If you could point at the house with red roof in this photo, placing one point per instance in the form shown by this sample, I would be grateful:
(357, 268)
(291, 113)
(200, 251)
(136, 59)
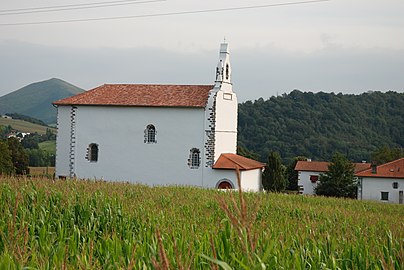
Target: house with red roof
(309, 173)
(156, 134)
(382, 183)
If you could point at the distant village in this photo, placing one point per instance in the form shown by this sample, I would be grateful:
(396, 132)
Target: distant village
(13, 132)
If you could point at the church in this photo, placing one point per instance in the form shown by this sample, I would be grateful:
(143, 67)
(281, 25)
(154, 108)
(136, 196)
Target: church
(156, 134)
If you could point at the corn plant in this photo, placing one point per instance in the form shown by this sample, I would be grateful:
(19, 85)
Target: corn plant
(82, 224)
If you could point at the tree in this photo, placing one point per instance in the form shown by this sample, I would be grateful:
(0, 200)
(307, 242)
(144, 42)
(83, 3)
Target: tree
(386, 154)
(291, 174)
(31, 141)
(4, 130)
(18, 156)
(6, 163)
(40, 158)
(273, 178)
(242, 151)
(339, 181)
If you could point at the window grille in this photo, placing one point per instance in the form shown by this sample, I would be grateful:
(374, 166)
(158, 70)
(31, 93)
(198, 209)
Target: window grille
(150, 134)
(194, 160)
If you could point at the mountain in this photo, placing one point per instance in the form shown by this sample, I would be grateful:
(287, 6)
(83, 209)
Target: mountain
(36, 99)
(316, 125)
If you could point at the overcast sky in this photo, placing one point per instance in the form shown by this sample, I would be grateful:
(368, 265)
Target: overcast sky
(348, 46)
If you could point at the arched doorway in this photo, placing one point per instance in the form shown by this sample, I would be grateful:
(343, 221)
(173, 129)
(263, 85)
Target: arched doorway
(225, 184)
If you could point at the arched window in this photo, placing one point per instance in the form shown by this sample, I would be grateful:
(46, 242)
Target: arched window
(150, 134)
(227, 71)
(194, 160)
(225, 184)
(92, 152)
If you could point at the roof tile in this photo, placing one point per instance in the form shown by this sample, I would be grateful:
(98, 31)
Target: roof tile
(232, 161)
(150, 95)
(393, 169)
(322, 166)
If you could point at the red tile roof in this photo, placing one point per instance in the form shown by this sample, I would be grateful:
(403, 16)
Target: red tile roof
(322, 166)
(312, 166)
(232, 161)
(393, 169)
(143, 95)
(362, 166)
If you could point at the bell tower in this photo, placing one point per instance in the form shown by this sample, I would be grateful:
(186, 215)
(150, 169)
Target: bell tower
(223, 69)
(221, 112)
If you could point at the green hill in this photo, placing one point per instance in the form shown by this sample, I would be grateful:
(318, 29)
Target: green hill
(317, 125)
(36, 99)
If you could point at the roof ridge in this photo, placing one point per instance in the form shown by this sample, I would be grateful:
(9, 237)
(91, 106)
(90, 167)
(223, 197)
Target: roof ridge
(314, 161)
(233, 159)
(159, 84)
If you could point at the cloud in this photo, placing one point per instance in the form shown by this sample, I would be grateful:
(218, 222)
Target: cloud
(258, 72)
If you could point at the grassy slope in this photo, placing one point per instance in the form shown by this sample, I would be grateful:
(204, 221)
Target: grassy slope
(49, 146)
(36, 99)
(93, 225)
(24, 126)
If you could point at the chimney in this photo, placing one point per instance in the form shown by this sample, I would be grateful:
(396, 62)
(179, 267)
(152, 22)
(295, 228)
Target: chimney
(374, 167)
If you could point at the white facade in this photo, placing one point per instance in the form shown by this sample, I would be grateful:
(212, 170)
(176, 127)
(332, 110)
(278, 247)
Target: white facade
(381, 189)
(251, 179)
(124, 155)
(306, 182)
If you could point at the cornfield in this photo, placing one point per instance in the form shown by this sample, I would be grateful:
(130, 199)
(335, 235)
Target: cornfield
(78, 224)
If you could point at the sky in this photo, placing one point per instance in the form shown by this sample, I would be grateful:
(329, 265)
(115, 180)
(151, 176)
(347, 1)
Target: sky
(276, 45)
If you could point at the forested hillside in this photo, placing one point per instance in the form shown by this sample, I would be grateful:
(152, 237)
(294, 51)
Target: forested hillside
(316, 125)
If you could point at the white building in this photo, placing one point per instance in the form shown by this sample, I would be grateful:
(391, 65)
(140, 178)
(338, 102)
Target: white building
(155, 134)
(309, 173)
(383, 183)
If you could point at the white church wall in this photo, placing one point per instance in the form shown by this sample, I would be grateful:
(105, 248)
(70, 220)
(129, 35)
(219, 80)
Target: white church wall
(212, 177)
(63, 141)
(123, 154)
(371, 189)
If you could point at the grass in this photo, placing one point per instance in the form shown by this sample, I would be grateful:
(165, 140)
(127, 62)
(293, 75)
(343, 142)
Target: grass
(48, 146)
(73, 224)
(41, 171)
(24, 126)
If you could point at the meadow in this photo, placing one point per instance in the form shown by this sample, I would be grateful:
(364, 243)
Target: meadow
(48, 146)
(24, 126)
(77, 224)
